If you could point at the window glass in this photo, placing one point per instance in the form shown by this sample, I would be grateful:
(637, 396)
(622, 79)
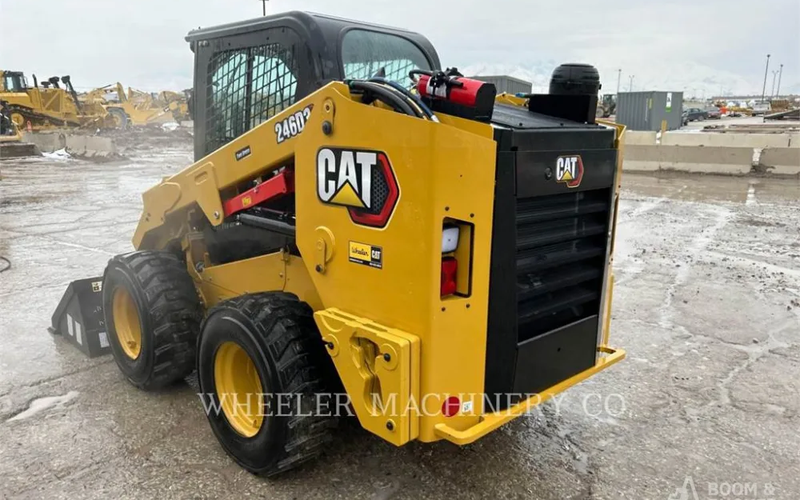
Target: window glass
(246, 87)
(366, 53)
(274, 84)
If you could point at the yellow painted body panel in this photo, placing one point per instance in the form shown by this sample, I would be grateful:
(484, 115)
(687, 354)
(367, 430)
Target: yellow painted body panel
(445, 173)
(226, 281)
(513, 100)
(492, 421)
(379, 368)
(442, 172)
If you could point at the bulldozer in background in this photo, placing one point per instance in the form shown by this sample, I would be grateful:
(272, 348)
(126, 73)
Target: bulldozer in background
(48, 105)
(358, 219)
(137, 107)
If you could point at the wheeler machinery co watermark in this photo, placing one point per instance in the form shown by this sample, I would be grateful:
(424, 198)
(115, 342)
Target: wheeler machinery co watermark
(724, 489)
(449, 405)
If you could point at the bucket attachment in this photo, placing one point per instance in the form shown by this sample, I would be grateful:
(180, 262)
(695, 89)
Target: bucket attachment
(79, 317)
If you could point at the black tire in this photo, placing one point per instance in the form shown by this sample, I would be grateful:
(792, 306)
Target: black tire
(278, 334)
(120, 117)
(169, 315)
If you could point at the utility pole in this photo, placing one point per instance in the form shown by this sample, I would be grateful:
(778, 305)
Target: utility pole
(630, 86)
(264, 6)
(778, 93)
(619, 77)
(766, 71)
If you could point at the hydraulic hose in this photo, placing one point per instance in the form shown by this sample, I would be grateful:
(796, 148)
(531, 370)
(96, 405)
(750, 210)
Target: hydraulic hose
(389, 96)
(417, 109)
(425, 109)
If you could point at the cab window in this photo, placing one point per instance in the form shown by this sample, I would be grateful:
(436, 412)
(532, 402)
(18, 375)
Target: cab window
(246, 87)
(368, 53)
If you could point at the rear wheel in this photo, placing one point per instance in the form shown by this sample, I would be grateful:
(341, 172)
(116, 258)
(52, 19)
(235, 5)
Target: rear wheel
(260, 365)
(152, 314)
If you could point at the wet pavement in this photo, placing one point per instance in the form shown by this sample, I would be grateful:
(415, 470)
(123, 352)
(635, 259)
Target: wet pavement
(707, 304)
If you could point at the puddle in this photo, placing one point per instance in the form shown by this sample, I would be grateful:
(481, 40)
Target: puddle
(43, 404)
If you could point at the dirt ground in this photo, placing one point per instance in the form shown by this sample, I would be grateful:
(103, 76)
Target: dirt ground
(707, 304)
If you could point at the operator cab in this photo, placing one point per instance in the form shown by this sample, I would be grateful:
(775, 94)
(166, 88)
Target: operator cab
(246, 72)
(14, 81)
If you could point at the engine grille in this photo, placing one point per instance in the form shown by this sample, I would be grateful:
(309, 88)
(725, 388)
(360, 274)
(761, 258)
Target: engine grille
(561, 246)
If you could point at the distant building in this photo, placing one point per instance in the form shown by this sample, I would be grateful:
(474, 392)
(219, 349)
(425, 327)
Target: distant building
(507, 84)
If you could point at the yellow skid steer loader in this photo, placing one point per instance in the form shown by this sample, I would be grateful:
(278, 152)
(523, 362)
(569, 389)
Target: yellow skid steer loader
(363, 231)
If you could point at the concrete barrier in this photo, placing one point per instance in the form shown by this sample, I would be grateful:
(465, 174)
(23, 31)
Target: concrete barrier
(783, 161)
(709, 160)
(87, 146)
(90, 145)
(710, 139)
(640, 138)
(47, 142)
(18, 150)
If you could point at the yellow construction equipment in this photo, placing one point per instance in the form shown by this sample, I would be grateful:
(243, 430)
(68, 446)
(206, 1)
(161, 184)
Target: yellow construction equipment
(434, 260)
(48, 105)
(137, 107)
(11, 144)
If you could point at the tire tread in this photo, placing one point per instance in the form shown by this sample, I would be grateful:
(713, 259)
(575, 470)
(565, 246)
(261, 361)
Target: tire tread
(174, 311)
(287, 326)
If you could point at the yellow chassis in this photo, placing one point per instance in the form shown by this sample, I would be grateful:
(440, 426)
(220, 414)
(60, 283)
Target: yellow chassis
(443, 175)
(491, 421)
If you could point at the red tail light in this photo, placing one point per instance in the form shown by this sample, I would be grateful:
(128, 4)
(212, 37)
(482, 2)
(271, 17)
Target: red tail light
(449, 268)
(451, 406)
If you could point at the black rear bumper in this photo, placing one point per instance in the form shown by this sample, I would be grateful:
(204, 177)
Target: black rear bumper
(549, 252)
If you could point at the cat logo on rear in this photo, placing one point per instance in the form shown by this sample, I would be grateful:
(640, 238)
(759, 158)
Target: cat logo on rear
(569, 170)
(361, 180)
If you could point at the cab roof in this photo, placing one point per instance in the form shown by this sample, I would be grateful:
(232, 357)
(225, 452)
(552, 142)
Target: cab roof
(319, 30)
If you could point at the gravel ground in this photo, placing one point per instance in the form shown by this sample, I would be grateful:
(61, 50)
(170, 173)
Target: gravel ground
(707, 305)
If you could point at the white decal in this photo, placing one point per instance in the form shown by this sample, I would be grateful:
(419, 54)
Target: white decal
(293, 125)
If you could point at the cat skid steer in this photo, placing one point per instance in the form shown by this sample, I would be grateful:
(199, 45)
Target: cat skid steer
(360, 223)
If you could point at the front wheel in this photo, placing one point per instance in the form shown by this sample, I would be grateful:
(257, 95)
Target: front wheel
(260, 364)
(152, 314)
(119, 117)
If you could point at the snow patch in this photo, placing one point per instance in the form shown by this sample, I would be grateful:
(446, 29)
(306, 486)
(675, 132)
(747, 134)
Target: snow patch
(42, 404)
(61, 154)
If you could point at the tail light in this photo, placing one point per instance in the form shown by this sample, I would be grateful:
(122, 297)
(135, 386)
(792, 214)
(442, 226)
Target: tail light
(449, 239)
(449, 271)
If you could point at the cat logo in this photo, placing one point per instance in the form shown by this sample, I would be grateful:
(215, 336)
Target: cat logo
(569, 170)
(363, 181)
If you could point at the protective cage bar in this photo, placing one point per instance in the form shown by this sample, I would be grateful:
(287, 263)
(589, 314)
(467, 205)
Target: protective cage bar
(247, 86)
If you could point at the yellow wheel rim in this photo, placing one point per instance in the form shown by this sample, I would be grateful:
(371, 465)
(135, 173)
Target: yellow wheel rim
(18, 120)
(239, 389)
(126, 322)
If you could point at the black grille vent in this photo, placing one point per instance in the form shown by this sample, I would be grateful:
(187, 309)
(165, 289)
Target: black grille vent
(561, 246)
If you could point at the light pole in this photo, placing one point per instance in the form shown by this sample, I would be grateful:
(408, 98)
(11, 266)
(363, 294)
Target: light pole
(774, 76)
(630, 86)
(778, 93)
(766, 71)
(619, 77)
(264, 6)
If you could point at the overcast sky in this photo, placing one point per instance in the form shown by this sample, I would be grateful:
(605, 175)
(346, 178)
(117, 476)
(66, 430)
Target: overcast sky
(140, 43)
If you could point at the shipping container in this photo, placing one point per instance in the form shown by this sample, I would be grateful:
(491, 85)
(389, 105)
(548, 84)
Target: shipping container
(646, 110)
(507, 84)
